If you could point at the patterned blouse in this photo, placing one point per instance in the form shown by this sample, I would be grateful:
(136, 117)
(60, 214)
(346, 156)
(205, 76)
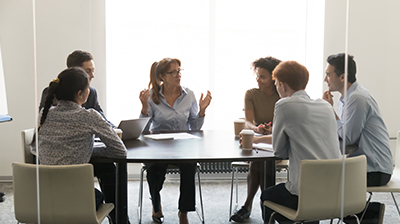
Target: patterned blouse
(67, 136)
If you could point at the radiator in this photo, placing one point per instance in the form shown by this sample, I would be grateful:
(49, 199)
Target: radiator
(214, 167)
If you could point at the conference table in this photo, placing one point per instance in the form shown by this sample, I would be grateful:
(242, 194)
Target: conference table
(207, 146)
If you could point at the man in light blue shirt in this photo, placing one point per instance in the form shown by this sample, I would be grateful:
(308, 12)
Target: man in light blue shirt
(361, 116)
(303, 129)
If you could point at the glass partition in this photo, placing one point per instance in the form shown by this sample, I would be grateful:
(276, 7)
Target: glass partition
(214, 28)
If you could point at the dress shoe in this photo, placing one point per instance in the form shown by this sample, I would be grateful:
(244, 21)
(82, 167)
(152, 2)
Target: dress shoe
(241, 215)
(158, 219)
(2, 198)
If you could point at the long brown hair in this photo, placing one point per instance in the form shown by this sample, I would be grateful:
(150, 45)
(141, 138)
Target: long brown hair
(64, 87)
(157, 69)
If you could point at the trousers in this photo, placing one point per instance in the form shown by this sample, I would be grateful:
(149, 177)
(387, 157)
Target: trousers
(280, 195)
(106, 175)
(156, 177)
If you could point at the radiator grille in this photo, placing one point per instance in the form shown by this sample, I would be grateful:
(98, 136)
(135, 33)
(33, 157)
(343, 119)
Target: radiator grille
(214, 167)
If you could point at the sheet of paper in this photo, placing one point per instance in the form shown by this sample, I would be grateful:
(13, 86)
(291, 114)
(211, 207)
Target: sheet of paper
(263, 146)
(171, 136)
(99, 145)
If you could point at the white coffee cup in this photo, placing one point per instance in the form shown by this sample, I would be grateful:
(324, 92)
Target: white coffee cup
(247, 139)
(239, 126)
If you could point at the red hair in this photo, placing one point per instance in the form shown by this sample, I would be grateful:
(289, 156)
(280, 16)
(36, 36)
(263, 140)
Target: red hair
(294, 74)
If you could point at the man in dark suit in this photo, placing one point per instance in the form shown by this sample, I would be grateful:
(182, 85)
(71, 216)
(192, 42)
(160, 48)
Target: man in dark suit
(83, 60)
(105, 172)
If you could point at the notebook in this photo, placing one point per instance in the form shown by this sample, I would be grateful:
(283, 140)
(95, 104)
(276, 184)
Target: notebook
(131, 129)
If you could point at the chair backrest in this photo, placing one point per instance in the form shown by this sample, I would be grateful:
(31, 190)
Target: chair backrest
(66, 193)
(27, 136)
(320, 188)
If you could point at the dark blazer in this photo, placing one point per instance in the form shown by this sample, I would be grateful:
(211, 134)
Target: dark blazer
(91, 102)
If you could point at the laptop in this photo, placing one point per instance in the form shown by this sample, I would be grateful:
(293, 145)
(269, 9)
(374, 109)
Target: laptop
(131, 129)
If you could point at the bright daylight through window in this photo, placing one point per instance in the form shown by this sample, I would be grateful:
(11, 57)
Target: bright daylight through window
(216, 41)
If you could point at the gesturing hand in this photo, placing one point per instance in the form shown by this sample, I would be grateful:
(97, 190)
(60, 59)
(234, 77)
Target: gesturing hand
(264, 129)
(203, 103)
(144, 98)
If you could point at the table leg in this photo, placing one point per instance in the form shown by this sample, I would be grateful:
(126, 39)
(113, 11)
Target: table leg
(121, 207)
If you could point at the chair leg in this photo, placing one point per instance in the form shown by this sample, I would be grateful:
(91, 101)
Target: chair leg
(366, 206)
(271, 218)
(109, 219)
(140, 202)
(287, 173)
(230, 204)
(201, 216)
(358, 220)
(397, 207)
(237, 187)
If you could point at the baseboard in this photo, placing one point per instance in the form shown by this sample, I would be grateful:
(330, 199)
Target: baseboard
(5, 178)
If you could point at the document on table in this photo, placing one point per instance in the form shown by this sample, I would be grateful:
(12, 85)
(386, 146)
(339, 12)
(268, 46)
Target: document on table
(171, 136)
(99, 145)
(263, 146)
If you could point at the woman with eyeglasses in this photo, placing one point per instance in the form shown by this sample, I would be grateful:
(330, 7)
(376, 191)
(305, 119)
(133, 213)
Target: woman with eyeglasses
(171, 106)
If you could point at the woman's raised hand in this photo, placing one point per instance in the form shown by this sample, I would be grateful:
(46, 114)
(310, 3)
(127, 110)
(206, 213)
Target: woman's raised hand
(144, 98)
(203, 103)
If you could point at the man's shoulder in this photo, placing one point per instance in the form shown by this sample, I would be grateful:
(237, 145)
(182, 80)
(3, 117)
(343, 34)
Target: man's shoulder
(92, 94)
(92, 99)
(361, 94)
(92, 89)
(294, 101)
(286, 103)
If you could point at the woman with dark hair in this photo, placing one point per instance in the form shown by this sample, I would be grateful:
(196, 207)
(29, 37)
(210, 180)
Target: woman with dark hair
(171, 106)
(259, 104)
(66, 131)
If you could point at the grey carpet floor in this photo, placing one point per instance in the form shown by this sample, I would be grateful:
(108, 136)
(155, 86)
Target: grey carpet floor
(216, 194)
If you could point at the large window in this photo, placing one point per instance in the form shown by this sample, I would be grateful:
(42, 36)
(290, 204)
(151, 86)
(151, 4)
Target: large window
(216, 41)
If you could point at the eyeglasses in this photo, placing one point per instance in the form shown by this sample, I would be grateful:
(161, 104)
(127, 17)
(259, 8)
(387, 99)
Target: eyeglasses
(175, 73)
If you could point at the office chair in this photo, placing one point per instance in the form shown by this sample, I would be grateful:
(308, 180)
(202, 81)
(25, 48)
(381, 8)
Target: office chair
(66, 195)
(26, 137)
(320, 190)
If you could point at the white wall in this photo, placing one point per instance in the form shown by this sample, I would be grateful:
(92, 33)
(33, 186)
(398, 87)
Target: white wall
(374, 35)
(63, 26)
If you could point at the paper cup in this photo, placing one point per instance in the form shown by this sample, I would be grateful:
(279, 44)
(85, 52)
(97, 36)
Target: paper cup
(247, 139)
(239, 126)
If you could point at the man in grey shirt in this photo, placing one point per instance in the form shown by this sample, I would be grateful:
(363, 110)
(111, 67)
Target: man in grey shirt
(303, 129)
